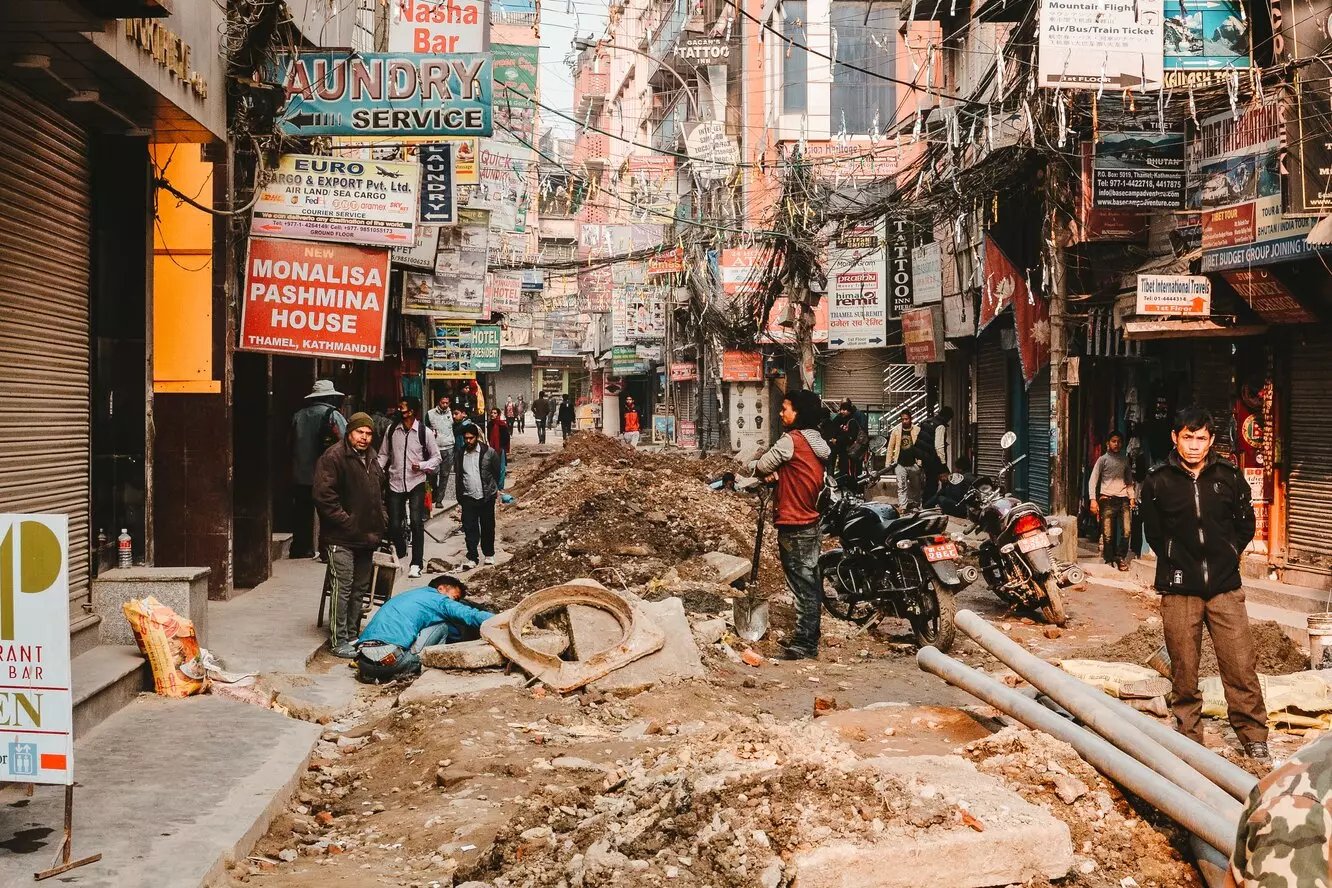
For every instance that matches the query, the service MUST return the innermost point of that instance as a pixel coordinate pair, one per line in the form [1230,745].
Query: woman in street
[499,437]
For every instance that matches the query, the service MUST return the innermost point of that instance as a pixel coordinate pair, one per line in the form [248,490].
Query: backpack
[329,434]
[420,431]
[924,447]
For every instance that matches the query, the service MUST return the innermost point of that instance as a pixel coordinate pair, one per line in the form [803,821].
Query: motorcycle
[888,564]
[1017,559]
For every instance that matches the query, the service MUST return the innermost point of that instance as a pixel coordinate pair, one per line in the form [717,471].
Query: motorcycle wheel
[936,629]
[1053,611]
[858,612]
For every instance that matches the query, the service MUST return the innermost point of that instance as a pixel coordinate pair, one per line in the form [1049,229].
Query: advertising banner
[741,268]
[486,348]
[854,160]
[515,91]
[446,296]
[651,187]
[1091,44]
[713,155]
[667,262]
[450,353]
[331,199]
[1174,294]
[439,202]
[741,366]
[922,335]
[506,291]
[1268,296]
[1303,36]
[37,698]
[508,183]
[595,288]
[436,26]
[639,312]
[1002,281]
[1138,171]
[858,314]
[421,254]
[684,372]
[899,267]
[686,433]
[1104,225]
[386,94]
[926,275]
[625,361]
[1204,41]
[317,300]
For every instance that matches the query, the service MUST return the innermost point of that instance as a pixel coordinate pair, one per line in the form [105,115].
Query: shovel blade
[750,615]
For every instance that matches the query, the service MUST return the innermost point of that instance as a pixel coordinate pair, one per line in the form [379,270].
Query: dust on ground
[1277,654]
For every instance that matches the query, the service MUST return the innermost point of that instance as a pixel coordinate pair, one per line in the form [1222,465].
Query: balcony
[590,151]
[590,90]
[666,37]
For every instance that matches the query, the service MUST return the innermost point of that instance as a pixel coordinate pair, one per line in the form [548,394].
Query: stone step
[84,634]
[1298,599]
[106,679]
[280,547]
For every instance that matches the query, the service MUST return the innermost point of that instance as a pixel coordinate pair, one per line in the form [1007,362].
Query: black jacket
[489,468]
[348,494]
[1198,527]
[566,413]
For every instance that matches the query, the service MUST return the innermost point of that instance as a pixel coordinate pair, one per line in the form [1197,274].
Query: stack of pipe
[1190,784]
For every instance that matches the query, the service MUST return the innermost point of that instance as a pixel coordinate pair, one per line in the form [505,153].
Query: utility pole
[1059,438]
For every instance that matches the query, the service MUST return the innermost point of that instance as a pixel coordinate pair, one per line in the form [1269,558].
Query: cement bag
[1123,680]
[1301,699]
[168,642]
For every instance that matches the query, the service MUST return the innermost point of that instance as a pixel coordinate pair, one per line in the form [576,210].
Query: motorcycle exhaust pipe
[968,573]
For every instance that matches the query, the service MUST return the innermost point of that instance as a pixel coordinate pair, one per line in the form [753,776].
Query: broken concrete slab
[730,568]
[593,630]
[481,654]
[677,660]
[1019,841]
[436,683]
[709,631]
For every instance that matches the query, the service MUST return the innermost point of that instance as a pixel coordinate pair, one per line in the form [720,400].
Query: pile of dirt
[1277,654]
[594,449]
[1117,845]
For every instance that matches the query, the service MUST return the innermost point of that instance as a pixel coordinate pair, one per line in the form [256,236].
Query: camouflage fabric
[1286,828]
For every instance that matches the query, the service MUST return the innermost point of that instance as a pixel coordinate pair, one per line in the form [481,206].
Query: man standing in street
[499,435]
[1113,495]
[409,457]
[632,432]
[566,418]
[440,420]
[477,476]
[902,437]
[412,621]
[314,428]
[932,449]
[848,441]
[348,492]
[1198,518]
[796,463]
[541,413]
[522,415]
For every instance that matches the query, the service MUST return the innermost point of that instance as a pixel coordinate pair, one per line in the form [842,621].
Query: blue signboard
[386,94]
[438,206]
[1286,249]
[1204,35]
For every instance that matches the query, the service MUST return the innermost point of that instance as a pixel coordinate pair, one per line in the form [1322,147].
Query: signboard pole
[63,862]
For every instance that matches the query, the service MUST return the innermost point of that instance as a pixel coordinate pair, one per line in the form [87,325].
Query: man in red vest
[796,463]
[630,424]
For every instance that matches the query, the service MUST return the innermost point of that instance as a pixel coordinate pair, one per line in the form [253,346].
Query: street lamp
[582,44]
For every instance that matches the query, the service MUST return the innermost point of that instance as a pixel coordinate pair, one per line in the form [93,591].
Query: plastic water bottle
[125,548]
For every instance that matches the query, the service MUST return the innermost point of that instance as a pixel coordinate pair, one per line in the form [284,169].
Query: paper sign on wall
[332,199]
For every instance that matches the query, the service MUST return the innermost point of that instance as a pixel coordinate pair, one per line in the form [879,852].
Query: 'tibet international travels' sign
[319,300]
[387,94]
[36,701]
[331,199]
[1174,294]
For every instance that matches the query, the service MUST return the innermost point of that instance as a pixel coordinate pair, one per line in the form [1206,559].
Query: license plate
[941,552]
[1034,541]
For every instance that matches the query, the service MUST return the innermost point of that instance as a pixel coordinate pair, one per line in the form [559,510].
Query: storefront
[1308,498]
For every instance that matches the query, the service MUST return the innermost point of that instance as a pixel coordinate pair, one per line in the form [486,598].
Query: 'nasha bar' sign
[320,300]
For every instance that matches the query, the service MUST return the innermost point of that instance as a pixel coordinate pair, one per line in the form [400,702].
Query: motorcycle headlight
[1007,548]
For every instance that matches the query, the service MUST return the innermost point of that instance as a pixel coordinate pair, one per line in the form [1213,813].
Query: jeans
[408,661]
[478,520]
[541,431]
[566,429]
[349,574]
[800,548]
[504,469]
[302,521]
[1112,508]
[413,501]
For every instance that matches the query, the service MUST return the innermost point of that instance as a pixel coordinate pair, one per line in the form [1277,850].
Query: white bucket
[1320,631]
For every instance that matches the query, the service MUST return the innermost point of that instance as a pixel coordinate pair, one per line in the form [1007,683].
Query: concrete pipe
[1128,772]
[1211,863]
[1099,711]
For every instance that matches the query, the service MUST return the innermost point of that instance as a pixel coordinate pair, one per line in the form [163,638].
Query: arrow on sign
[875,339]
[1198,305]
[838,342]
[395,236]
[301,120]
[270,227]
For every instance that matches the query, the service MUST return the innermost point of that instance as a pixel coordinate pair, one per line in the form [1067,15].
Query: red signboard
[318,299]
[1268,296]
[742,270]
[668,262]
[1228,227]
[741,366]
[684,372]
[920,336]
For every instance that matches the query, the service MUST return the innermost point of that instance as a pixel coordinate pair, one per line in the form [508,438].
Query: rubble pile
[1277,654]
[1115,843]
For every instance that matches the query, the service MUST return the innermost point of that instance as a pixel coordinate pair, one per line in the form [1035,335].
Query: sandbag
[168,641]
[1301,699]
[1122,680]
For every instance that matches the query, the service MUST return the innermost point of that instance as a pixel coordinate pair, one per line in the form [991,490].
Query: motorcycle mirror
[878,445]
[1008,440]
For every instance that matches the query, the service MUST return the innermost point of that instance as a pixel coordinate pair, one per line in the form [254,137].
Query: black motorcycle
[1017,558]
[889,564]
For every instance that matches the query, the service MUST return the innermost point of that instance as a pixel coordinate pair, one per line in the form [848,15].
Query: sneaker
[345,651]
[792,652]
[490,559]
[1259,753]
[469,564]
[1123,564]
[415,572]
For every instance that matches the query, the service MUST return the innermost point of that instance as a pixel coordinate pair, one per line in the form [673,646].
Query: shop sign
[741,366]
[741,270]
[684,371]
[899,267]
[506,291]
[421,254]
[439,202]
[1268,296]
[37,699]
[486,348]
[446,296]
[651,187]
[776,331]
[450,353]
[668,262]
[858,315]
[386,94]
[330,199]
[169,50]
[1287,249]
[625,361]
[959,311]
[515,73]
[663,428]
[1104,225]
[313,299]
[436,26]
[1091,44]
[852,161]
[1139,171]
[534,280]
[927,275]
[638,312]
[466,161]
[1205,40]
[922,335]
[686,434]
[508,182]
[699,51]
[713,155]
[1174,294]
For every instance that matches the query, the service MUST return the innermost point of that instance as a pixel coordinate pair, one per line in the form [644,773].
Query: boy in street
[476,473]
[410,456]
[1198,518]
[796,463]
[1113,494]
[412,621]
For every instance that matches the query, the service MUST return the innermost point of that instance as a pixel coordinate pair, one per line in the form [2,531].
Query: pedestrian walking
[439,419]
[900,439]
[1197,516]
[566,417]
[477,477]
[412,621]
[1113,494]
[849,440]
[522,414]
[348,493]
[510,411]
[910,483]
[541,408]
[629,424]
[796,463]
[410,456]
[932,449]
[314,428]
[499,435]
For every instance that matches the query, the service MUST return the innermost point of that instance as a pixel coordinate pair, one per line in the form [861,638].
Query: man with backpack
[314,428]
[410,455]
[932,449]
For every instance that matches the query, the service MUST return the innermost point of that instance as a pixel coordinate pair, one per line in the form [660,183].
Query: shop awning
[1184,328]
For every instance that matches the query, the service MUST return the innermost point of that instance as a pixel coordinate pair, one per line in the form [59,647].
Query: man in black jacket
[476,472]
[1198,519]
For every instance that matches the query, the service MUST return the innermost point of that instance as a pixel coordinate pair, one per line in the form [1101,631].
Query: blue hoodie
[403,616]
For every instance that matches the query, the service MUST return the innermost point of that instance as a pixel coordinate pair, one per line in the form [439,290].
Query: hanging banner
[669,262]
[1031,318]
[1268,296]
[651,181]
[506,291]
[1241,178]
[515,91]
[595,289]
[1091,44]
[1138,171]
[1096,225]
[486,348]
[445,296]
[1204,41]
[858,314]
[741,270]
[926,275]
[436,26]
[625,361]
[421,254]
[348,201]
[639,312]
[463,248]
[385,94]
[922,335]
[741,366]
[450,353]
[1001,282]
[899,267]
[316,300]
[852,161]
[684,372]
[1178,295]
[713,155]
[37,698]
[439,203]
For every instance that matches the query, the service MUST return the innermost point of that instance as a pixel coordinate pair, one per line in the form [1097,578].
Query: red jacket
[498,435]
[631,421]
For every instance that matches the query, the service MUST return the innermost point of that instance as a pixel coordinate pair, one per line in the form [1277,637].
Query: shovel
[749,612]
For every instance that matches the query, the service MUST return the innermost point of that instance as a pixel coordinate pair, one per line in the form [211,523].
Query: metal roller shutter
[1309,488]
[991,407]
[45,206]
[856,374]
[1038,440]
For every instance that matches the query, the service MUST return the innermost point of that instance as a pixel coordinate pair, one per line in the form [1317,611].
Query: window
[867,38]
[795,59]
